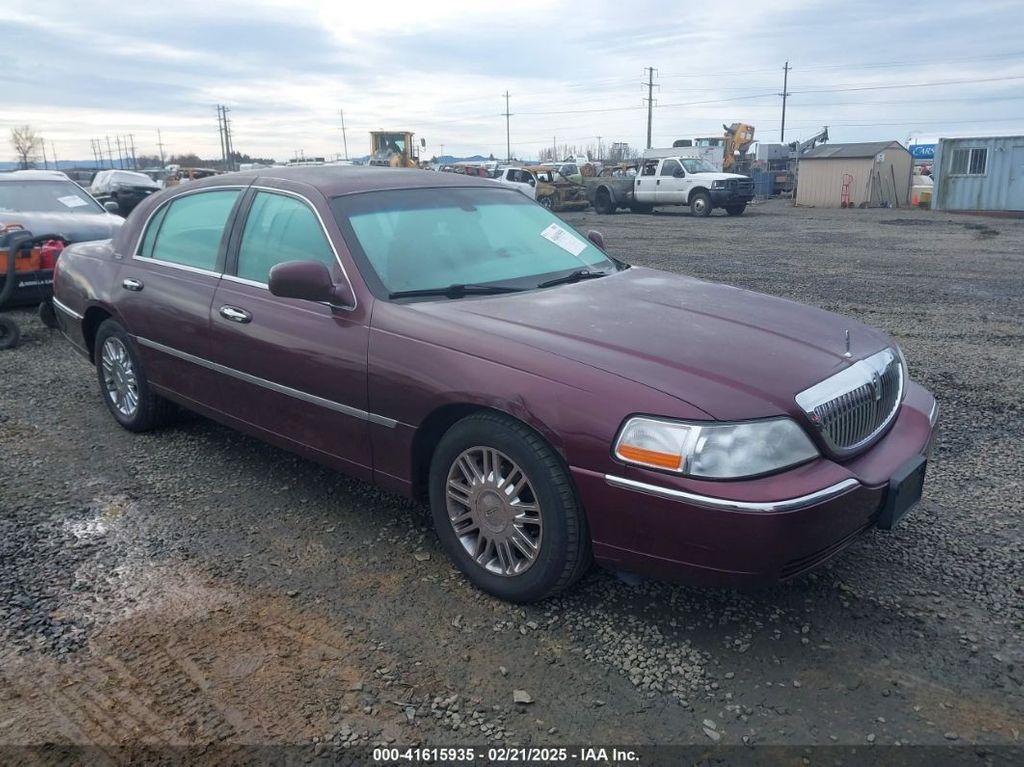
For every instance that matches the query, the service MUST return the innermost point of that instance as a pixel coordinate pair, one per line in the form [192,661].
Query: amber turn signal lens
[650,457]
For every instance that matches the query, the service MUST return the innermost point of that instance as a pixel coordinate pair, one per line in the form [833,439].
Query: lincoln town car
[449,339]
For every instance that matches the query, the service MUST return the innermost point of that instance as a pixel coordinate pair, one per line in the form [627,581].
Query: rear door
[295,370]
[646,183]
[165,288]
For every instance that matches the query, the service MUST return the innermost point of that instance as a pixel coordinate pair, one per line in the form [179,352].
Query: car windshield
[697,165]
[424,239]
[45,197]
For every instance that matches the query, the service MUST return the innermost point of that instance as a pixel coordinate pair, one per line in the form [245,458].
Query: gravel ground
[194,586]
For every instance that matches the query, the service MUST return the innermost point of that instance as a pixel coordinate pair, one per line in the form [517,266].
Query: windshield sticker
[563,239]
[72,201]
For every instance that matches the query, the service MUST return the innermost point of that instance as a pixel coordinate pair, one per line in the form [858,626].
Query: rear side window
[280,228]
[189,230]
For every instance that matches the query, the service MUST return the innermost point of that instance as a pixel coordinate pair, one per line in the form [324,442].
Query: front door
[670,186]
[164,290]
[646,184]
[296,370]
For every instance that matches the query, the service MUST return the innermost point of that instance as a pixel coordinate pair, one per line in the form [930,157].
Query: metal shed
[848,175]
[985,173]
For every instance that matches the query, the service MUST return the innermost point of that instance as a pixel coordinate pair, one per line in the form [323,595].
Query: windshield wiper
[456,291]
[580,274]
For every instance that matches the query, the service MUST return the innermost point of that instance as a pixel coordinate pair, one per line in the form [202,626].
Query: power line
[914,85]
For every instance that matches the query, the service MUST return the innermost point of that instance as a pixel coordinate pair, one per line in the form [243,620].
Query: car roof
[34,175]
[336,180]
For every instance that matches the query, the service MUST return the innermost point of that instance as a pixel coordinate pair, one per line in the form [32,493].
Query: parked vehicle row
[448,339]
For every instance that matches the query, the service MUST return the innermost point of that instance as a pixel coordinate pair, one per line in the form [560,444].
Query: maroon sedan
[451,340]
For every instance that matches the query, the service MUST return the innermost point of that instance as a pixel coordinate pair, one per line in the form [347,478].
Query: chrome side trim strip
[789,504]
[276,387]
[933,416]
[67,310]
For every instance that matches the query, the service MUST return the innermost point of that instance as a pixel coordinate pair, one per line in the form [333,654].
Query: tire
[489,551]
[735,210]
[700,205]
[47,315]
[547,202]
[122,380]
[10,333]
[603,202]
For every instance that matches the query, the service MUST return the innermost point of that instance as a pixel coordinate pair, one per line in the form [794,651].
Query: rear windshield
[45,197]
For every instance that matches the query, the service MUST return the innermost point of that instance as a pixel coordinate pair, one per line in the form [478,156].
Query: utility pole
[220,134]
[650,102]
[120,156]
[344,137]
[53,151]
[508,131]
[135,163]
[95,153]
[554,149]
[784,94]
[227,140]
[110,153]
[46,165]
[160,144]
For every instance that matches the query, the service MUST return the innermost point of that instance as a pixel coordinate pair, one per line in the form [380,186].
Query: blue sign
[922,151]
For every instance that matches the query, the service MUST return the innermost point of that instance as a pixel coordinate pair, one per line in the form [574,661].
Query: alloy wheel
[494,511]
[122,386]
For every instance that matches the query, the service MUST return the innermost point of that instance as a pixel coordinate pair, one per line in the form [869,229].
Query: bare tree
[26,143]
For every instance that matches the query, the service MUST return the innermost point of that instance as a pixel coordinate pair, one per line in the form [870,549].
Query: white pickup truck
[670,181]
[520,178]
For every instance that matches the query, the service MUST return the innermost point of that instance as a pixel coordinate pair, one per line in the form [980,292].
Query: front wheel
[700,204]
[736,210]
[547,202]
[505,509]
[123,383]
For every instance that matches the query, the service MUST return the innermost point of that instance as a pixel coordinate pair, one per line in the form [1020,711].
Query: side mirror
[531,182]
[112,207]
[596,237]
[308,281]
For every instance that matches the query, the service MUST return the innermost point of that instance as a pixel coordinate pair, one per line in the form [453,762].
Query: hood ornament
[847,352]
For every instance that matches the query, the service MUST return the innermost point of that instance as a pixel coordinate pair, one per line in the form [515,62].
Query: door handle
[658,182]
[235,314]
[132,284]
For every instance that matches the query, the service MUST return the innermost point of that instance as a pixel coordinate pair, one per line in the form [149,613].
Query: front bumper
[721,198]
[752,532]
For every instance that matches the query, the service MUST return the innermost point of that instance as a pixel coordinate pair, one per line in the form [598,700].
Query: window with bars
[969,162]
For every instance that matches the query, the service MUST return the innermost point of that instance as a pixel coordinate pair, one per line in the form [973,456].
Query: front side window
[423,239]
[188,231]
[670,167]
[280,228]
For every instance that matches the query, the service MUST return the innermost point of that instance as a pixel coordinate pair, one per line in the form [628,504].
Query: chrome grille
[853,408]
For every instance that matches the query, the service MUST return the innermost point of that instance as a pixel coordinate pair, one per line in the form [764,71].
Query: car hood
[715,176]
[732,353]
[74,227]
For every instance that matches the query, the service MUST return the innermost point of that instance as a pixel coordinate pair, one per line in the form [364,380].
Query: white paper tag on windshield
[564,239]
[72,201]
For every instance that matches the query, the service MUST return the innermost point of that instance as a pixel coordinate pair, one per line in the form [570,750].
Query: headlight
[718,185]
[714,450]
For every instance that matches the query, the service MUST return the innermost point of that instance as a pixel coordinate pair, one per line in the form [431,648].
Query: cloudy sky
[77,71]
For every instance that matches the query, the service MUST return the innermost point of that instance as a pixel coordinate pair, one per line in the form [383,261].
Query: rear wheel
[735,210]
[700,204]
[10,333]
[603,202]
[123,383]
[505,510]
